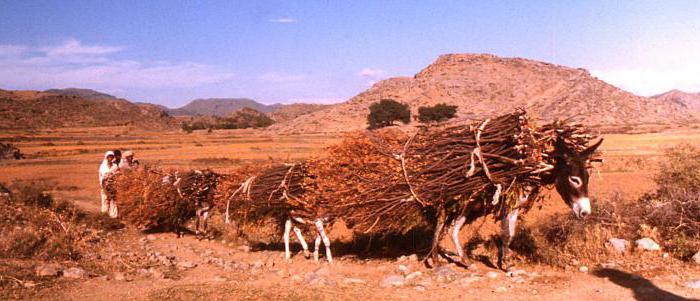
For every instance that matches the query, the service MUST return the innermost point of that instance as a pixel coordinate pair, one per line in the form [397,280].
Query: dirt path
[224,271]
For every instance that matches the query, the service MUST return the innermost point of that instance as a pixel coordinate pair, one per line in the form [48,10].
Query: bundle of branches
[392,182]
[272,192]
[150,198]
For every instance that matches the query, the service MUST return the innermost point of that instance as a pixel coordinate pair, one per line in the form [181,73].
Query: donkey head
[571,177]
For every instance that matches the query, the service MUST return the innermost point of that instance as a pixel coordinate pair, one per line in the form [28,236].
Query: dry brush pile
[36,229]
[151,198]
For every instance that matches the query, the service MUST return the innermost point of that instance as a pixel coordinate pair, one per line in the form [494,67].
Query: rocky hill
[220,107]
[34,109]
[485,85]
[288,112]
[691,101]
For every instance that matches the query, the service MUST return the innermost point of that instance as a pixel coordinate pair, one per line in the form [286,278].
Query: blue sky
[170,52]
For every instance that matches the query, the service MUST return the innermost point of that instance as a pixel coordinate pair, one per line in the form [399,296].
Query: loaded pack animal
[150,198]
[276,192]
[450,175]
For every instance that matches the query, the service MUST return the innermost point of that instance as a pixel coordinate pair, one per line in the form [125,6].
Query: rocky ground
[161,266]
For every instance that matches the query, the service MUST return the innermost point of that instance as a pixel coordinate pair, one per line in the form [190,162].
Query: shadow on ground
[644,290]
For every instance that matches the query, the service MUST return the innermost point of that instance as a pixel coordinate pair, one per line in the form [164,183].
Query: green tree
[386,112]
[437,113]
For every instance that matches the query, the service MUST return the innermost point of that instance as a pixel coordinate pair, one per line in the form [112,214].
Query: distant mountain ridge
[40,109]
[82,93]
[485,85]
[221,107]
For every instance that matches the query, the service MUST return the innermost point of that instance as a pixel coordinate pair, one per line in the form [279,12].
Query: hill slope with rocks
[691,101]
[34,109]
[483,85]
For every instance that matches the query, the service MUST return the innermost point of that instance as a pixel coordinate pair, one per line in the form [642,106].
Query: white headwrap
[105,170]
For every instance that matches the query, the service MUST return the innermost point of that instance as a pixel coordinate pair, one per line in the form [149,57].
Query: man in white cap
[107,170]
[129,163]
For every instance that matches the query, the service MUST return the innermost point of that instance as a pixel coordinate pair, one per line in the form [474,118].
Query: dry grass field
[68,159]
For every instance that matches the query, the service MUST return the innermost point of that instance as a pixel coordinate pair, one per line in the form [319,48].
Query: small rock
[270,262]
[258,264]
[74,273]
[695,284]
[296,278]
[207,253]
[354,281]
[315,279]
[419,288]
[322,271]
[618,244]
[647,244]
[151,237]
[608,265]
[583,269]
[392,281]
[492,275]
[144,272]
[414,275]
[665,255]
[500,289]
[696,258]
[51,269]
[156,273]
[220,279]
[518,279]
[413,257]
[514,273]
[118,276]
[403,269]
[283,273]
[469,280]
[244,248]
[186,264]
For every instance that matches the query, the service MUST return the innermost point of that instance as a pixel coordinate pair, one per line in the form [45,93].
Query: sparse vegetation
[437,113]
[241,119]
[387,111]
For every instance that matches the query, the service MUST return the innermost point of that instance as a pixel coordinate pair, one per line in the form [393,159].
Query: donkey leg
[326,241]
[456,227]
[508,227]
[287,229]
[198,221]
[437,236]
[302,241]
[317,244]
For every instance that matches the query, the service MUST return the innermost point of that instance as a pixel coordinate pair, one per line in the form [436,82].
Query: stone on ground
[74,273]
[392,281]
[647,244]
[51,269]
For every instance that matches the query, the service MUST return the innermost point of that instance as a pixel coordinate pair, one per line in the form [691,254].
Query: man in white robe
[107,170]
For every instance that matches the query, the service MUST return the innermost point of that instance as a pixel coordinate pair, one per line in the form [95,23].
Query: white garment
[108,205]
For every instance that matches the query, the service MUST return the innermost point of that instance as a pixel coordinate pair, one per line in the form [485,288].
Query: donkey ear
[591,149]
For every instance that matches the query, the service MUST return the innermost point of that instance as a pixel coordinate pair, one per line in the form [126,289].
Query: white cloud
[73,64]
[371,73]
[648,82]
[74,47]
[280,78]
[284,20]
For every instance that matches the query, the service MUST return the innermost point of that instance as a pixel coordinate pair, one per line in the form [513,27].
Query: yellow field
[70,157]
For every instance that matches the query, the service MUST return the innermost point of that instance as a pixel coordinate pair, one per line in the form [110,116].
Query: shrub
[385,112]
[437,113]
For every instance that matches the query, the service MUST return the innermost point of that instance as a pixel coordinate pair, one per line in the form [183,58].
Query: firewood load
[387,181]
[272,192]
[150,197]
